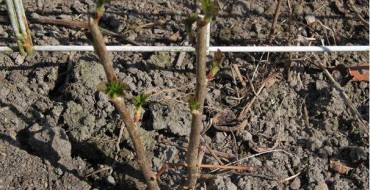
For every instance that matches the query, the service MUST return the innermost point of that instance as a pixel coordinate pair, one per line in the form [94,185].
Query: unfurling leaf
[218,59]
[113,89]
[193,103]
[212,72]
[137,114]
[210,9]
[140,100]
[188,22]
[100,8]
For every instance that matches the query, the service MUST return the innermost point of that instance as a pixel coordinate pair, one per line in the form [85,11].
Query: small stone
[329,150]
[216,93]
[257,27]
[296,184]
[35,15]
[19,60]
[269,163]
[236,10]
[190,66]
[14,121]
[65,17]
[358,154]
[77,7]
[244,5]
[220,137]
[296,162]
[321,186]
[59,171]
[35,127]
[5,34]
[313,144]
[259,10]
[157,163]
[310,18]
[111,180]
[40,3]
[4,91]
[159,31]
[132,37]
[364,85]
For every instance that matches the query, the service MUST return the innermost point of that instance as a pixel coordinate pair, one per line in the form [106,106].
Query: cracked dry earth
[58,132]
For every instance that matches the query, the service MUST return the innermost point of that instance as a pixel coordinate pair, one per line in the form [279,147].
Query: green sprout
[139,101]
[193,103]
[188,22]
[210,9]
[218,59]
[113,89]
[100,8]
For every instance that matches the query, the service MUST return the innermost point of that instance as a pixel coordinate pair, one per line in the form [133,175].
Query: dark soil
[58,132]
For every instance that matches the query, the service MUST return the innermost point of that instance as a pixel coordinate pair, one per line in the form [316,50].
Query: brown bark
[103,54]
[102,51]
[145,167]
[200,91]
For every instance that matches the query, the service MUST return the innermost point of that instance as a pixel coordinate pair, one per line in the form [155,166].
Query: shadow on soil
[25,140]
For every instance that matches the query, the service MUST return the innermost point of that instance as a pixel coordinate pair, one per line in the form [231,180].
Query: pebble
[35,15]
[325,151]
[310,18]
[245,6]
[358,154]
[364,85]
[5,34]
[296,184]
[111,180]
[77,7]
[157,163]
[313,144]
[20,59]
[1,29]
[259,10]
[59,171]
[257,27]
[321,186]
[132,36]
[40,3]
[159,31]
[220,137]
[64,17]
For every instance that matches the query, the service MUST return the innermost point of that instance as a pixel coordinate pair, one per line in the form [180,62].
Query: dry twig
[79,24]
[343,94]
[215,152]
[166,166]
[251,156]
[276,16]
[267,82]
[364,22]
